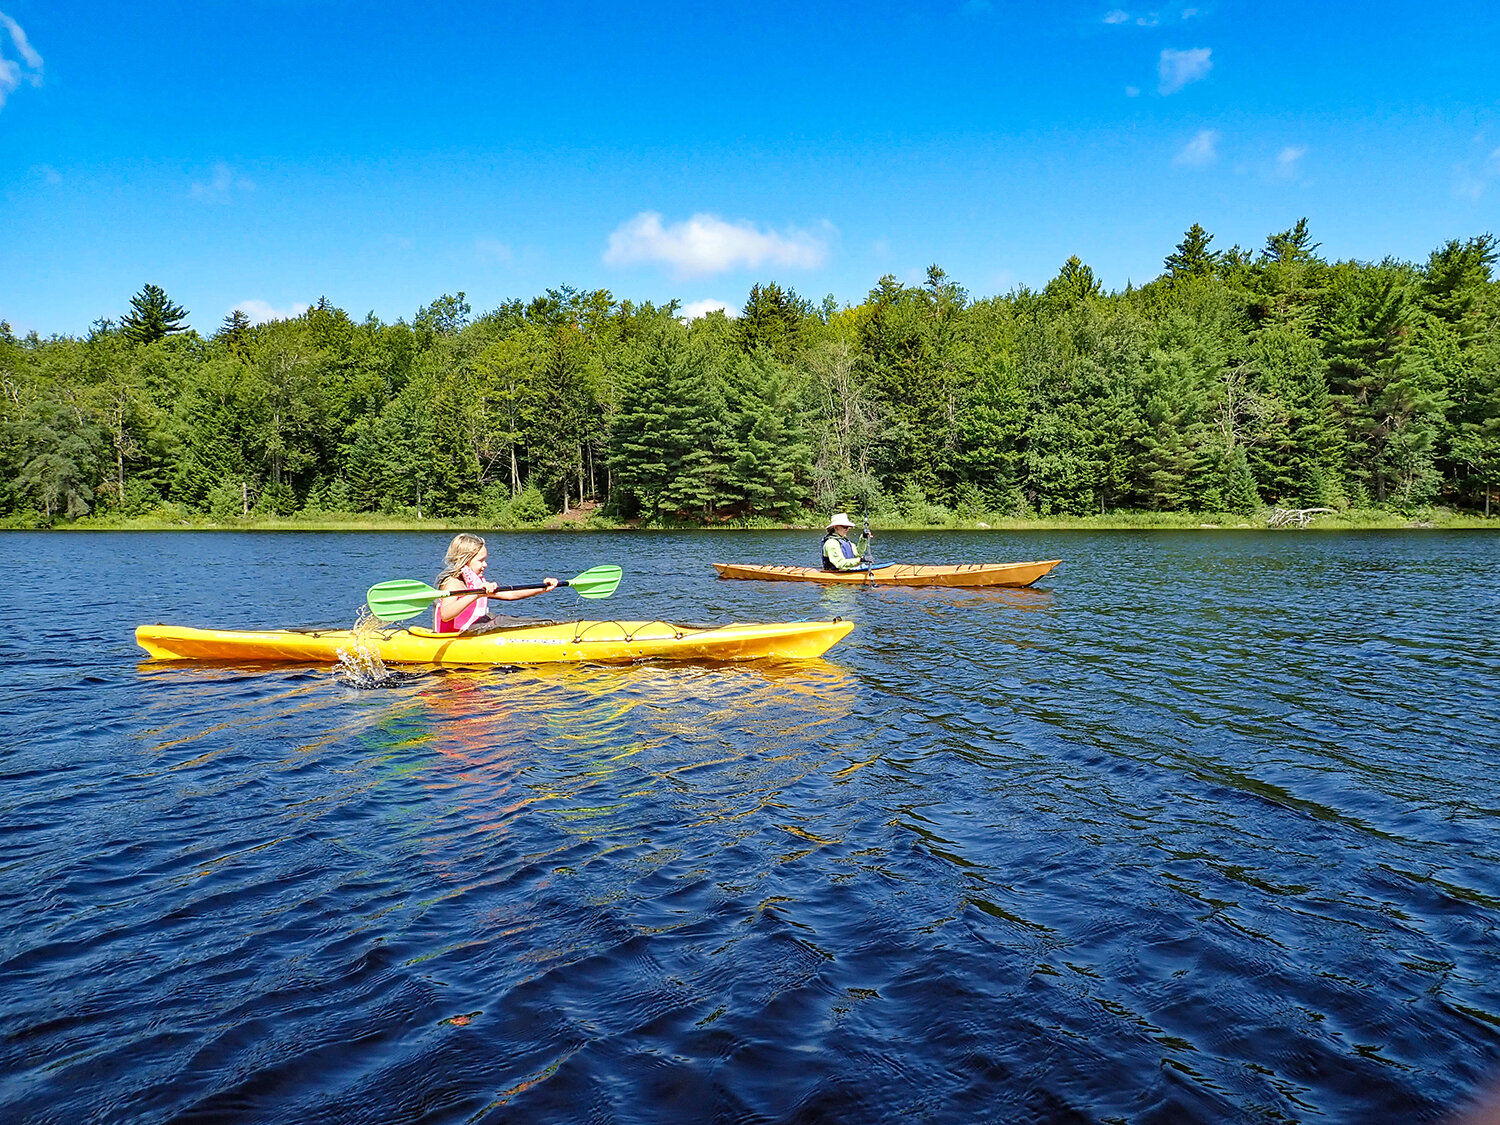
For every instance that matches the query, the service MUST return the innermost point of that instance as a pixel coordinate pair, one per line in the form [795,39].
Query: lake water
[1206,828]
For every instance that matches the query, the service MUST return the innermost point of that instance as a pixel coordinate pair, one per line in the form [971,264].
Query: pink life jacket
[466,616]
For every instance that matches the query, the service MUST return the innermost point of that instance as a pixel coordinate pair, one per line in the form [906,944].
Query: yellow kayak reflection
[664,723]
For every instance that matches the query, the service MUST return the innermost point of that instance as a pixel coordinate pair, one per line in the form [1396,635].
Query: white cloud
[1116,16]
[694,309]
[223,183]
[1472,179]
[261,312]
[707,244]
[1466,185]
[1132,91]
[1288,157]
[493,250]
[1199,152]
[1178,68]
[12,73]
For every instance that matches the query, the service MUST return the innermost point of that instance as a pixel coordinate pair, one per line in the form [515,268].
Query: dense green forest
[1234,380]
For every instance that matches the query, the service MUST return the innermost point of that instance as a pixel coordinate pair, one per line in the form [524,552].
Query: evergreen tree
[667,439]
[1192,258]
[1296,443]
[1368,322]
[773,318]
[1074,282]
[60,457]
[768,452]
[1294,245]
[234,332]
[1177,450]
[1237,486]
[990,431]
[152,316]
[1455,280]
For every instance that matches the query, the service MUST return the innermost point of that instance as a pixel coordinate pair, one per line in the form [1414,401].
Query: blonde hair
[461,552]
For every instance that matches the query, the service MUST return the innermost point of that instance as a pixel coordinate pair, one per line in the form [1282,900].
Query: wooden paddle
[404,597]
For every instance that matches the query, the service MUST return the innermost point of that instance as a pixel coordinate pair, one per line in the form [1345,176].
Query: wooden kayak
[898,574]
[602,642]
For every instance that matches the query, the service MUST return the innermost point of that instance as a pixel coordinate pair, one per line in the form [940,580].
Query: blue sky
[264,153]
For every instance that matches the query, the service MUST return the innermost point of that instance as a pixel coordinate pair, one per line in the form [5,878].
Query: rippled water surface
[1203,829]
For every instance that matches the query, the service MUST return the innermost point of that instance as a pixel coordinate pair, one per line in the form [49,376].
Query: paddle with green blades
[404,597]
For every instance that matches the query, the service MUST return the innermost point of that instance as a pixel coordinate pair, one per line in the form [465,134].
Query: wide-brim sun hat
[840,519]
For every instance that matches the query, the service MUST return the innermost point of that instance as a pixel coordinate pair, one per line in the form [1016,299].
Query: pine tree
[666,441]
[1366,346]
[1192,258]
[1074,282]
[768,451]
[152,316]
[773,318]
[234,333]
[1294,245]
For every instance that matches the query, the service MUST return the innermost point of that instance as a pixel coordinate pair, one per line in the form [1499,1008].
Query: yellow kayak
[602,642]
[899,574]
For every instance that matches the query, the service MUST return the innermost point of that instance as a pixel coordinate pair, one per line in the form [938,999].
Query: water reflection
[592,742]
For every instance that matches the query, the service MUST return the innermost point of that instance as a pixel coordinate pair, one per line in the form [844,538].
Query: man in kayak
[838,552]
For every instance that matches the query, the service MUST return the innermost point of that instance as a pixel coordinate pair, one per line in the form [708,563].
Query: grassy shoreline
[1353,520]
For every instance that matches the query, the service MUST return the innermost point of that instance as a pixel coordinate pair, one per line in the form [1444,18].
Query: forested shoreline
[1234,381]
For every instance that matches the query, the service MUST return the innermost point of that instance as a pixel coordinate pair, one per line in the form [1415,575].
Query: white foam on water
[360,665]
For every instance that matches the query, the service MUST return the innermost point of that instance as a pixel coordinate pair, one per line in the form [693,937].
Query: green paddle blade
[597,582]
[400,598]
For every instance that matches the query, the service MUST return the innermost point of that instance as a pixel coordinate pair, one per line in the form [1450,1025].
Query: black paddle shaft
[500,589]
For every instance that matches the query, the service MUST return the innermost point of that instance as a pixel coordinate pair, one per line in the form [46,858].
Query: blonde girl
[463,569]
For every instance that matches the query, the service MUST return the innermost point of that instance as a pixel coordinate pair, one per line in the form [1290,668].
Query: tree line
[1234,380]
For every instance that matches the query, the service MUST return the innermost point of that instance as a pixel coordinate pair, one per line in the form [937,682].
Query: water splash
[360,665]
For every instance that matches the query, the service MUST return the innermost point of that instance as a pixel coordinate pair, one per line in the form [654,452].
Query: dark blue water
[1204,830]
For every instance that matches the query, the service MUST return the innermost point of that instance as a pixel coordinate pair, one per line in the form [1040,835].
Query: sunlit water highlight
[1204,830]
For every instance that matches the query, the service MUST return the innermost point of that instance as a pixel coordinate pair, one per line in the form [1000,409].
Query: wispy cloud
[1199,152]
[1132,91]
[493,250]
[263,312]
[49,174]
[1178,68]
[14,72]
[1289,160]
[1168,13]
[707,244]
[694,309]
[221,184]
[1472,178]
